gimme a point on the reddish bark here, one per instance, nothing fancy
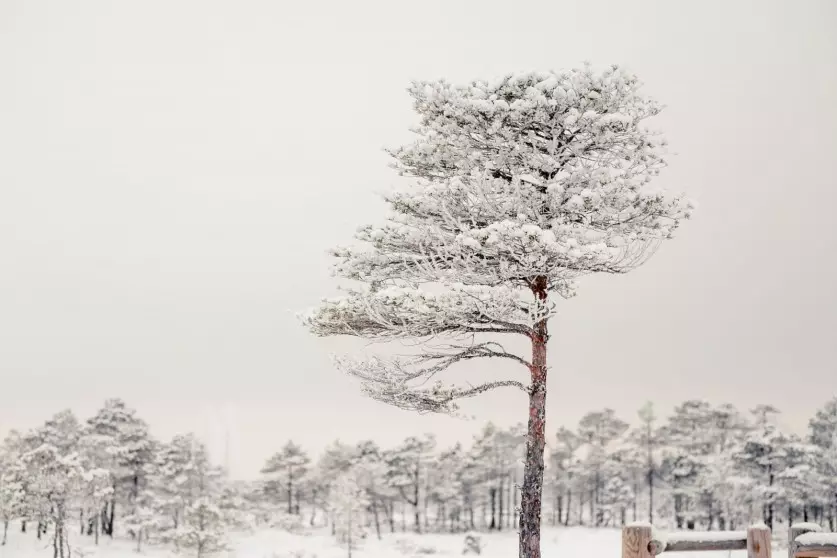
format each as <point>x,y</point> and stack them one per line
<point>532,491</point>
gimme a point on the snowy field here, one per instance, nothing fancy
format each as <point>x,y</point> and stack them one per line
<point>572,542</point>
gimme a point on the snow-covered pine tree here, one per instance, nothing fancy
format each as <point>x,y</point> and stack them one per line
<point>202,527</point>
<point>371,471</point>
<point>349,501</point>
<point>648,440</point>
<point>128,449</point>
<point>335,460</point>
<point>687,435</point>
<point>284,472</point>
<point>763,456</point>
<point>563,460</point>
<point>599,429</point>
<point>203,530</point>
<point>12,478</point>
<point>823,434</point>
<point>144,519</point>
<point>523,185</point>
<point>407,468</point>
<point>53,486</point>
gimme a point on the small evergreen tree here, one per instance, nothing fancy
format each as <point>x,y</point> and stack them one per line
<point>349,502</point>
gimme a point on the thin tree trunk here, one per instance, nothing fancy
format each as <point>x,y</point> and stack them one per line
<point>290,489</point>
<point>55,540</point>
<point>569,507</point>
<point>313,506</point>
<point>530,516</point>
<point>112,517</point>
<point>650,475</point>
<point>349,545</point>
<point>493,495</point>
<point>376,518</point>
<point>5,531</point>
<point>501,501</point>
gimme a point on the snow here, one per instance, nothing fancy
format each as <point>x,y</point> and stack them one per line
<point>572,541</point>
<point>818,539</point>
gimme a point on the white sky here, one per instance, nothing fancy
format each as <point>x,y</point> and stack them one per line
<point>174,171</point>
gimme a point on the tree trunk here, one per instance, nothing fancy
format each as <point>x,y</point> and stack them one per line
<point>569,507</point>
<point>5,531</point>
<point>313,506</point>
<point>290,490</point>
<point>391,516</point>
<point>530,516</point>
<point>514,499</point>
<point>111,518</point>
<point>376,518</point>
<point>415,502</point>
<point>493,495</point>
<point>500,502</point>
<point>511,500</point>
<point>650,476</point>
<point>23,526</point>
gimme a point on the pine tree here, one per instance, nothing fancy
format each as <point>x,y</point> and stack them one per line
<point>599,429</point>
<point>407,466</point>
<point>127,450</point>
<point>763,455</point>
<point>202,530</point>
<point>523,185</point>
<point>647,438</point>
<point>823,435</point>
<point>54,484</point>
<point>349,502</point>
<point>201,527</point>
<point>12,478</point>
<point>286,468</point>
<point>335,460</point>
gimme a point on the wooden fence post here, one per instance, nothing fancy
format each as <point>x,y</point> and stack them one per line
<point>799,529</point>
<point>758,541</point>
<point>635,540</point>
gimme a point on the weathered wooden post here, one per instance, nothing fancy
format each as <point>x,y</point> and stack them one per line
<point>636,538</point>
<point>758,541</point>
<point>799,529</point>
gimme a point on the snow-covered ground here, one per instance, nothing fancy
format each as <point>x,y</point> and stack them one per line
<point>568,542</point>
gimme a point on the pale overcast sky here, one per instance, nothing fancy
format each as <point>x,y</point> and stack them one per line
<point>173,173</point>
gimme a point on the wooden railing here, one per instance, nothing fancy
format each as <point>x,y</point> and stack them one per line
<point>641,541</point>
<point>805,540</point>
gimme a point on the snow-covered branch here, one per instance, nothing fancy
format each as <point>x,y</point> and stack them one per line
<point>397,312</point>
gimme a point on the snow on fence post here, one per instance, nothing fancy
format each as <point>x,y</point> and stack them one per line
<point>758,541</point>
<point>806,540</point>
<point>799,529</point>
<point>636,540</point>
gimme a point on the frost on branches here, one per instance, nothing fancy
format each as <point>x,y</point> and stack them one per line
<point>522,186</point>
